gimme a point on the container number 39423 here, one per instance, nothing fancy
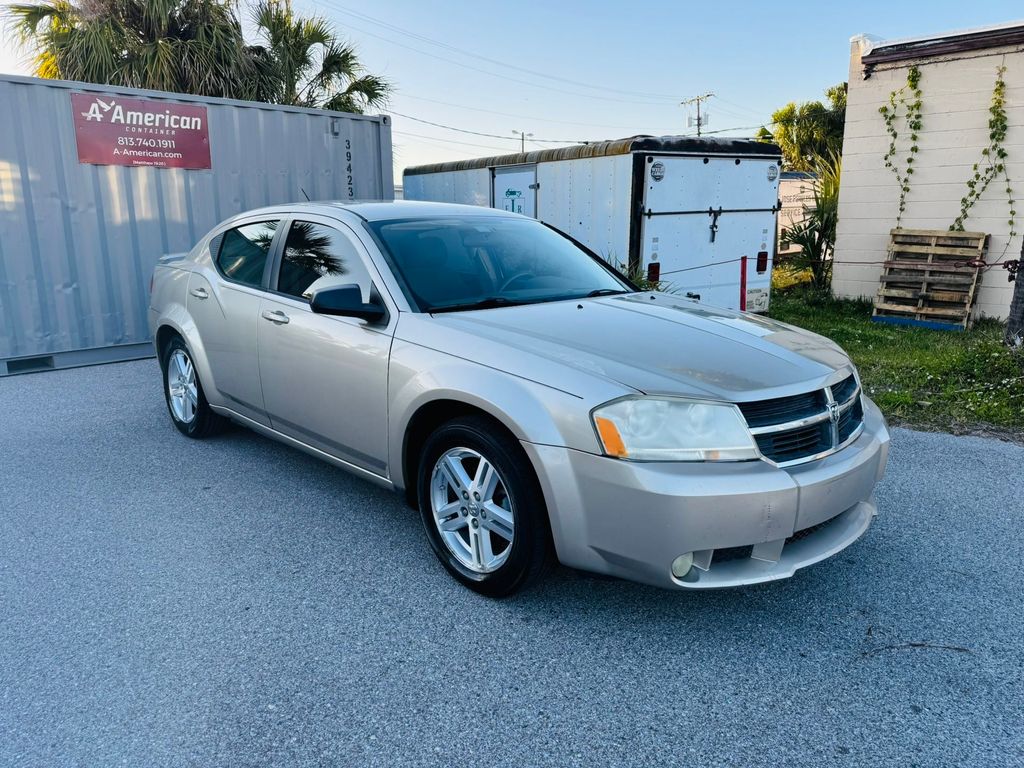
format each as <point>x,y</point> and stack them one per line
<point>348,169</point>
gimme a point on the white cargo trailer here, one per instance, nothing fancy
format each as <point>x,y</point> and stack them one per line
<point>701,211</point>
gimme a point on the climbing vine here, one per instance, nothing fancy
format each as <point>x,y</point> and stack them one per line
<point>993,159</point>
<point>907,97</point>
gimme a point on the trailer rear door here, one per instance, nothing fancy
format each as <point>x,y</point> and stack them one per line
<point>702,215</point>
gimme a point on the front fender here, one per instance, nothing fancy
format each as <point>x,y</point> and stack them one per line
<point>533,412</point>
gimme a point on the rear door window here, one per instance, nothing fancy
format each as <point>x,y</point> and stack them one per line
<point>243,252</point>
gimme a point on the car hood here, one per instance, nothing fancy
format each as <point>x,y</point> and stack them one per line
<point>649,342</point>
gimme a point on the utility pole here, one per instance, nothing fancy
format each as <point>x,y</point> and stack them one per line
<point>522,139</point>
<point>697,100</point>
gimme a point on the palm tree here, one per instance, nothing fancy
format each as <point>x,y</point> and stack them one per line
<point>816,233</point>
<point>187,46</point>
<point>808,131</point>
<point>197,47</point>
<point>313,67</point>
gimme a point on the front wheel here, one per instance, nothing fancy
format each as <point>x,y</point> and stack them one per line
<point>482,507</point>
<point>190,411</point>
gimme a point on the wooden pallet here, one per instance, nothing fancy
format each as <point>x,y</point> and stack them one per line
<point>930,278</point>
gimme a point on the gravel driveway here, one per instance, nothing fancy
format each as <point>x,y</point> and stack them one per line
<point>235,602</point>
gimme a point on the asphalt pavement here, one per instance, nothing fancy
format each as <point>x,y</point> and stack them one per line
<point>234,602</point>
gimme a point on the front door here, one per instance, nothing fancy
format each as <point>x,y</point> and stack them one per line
<point>515,189</point>
<point>325,378</point>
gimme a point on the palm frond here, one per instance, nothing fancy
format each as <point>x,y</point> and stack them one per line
<point>196,46</point>
<point>815,234</point>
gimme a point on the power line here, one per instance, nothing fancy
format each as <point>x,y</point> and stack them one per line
<point>738,106</point>
<point>507,150</point>
<point>548,141</point>
<point>517,117</point>
<point>503,64</point>
<point>501,75</point>
<point>480,133</point>
<point>737,128</point>
<point>557,141</point>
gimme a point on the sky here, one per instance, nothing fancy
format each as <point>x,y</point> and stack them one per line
<point>575,70</point>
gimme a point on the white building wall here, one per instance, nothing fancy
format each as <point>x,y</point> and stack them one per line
<point>957,92</point>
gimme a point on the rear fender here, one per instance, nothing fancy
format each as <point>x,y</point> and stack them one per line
<point>174,315</point>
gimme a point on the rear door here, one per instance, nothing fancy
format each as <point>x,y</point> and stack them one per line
<point>325,378</point>
<point>702,215</point>
<point>224,302</point>
<point>515,189</point>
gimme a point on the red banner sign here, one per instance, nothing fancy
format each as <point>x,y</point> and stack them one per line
<point>112,130</point>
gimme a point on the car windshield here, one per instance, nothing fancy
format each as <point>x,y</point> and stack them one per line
<point>476,262</point>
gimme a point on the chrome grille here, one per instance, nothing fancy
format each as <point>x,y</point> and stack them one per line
<point>844,390</point>
<point>794,444</point>
<point>849,420</point>
<point>779,410</point>
<point>791,430</point>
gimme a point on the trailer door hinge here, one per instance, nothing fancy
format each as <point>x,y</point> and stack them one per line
<point>535,185</point>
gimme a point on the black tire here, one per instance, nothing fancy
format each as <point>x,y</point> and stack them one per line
<point>530,551</point>
<point>204,423</point>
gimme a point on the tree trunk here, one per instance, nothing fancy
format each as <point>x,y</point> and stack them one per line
<point>1015,324</point>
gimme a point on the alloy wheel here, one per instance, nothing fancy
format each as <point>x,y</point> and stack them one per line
<point>472,509</point>
<point>181,387</point>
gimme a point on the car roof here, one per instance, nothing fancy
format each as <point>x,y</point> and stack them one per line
<point>382,210</point>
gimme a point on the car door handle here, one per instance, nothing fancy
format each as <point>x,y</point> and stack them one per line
<point>200,293</point>
<point>275,316</point>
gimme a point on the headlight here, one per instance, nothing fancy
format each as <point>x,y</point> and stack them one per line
<point>673,429</point>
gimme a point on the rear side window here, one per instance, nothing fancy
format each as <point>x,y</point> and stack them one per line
<point>318,256</point>
<point>243,252</point>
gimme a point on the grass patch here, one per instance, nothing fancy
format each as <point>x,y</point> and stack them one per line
<point>953,381</point>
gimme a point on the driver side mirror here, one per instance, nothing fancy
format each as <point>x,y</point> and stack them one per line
<point>347,301</point>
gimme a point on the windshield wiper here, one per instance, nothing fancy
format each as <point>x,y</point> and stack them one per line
<point>606,292</point>
<point>488,303</point>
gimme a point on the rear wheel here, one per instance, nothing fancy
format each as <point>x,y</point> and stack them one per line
<point>482,507</point>
<point>189,410</point>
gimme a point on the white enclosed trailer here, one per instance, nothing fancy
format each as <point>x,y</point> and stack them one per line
<point>701,211</point>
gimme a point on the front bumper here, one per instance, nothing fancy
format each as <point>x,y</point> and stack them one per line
<point>633,519</point>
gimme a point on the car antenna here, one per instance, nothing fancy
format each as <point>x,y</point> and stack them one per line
<point>304,194</point>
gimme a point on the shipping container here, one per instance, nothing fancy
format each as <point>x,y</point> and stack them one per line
<point>96,183</point>
<point>700,211</point>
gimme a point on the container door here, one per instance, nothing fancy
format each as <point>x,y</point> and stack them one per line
<point>515,189</point>
<point>702,215</point>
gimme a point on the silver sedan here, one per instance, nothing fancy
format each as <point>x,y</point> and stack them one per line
<point>528,400</point>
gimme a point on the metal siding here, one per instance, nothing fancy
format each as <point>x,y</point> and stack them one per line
<point>79,242</point>
<point>469,187</point>
<point>589,198</point>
